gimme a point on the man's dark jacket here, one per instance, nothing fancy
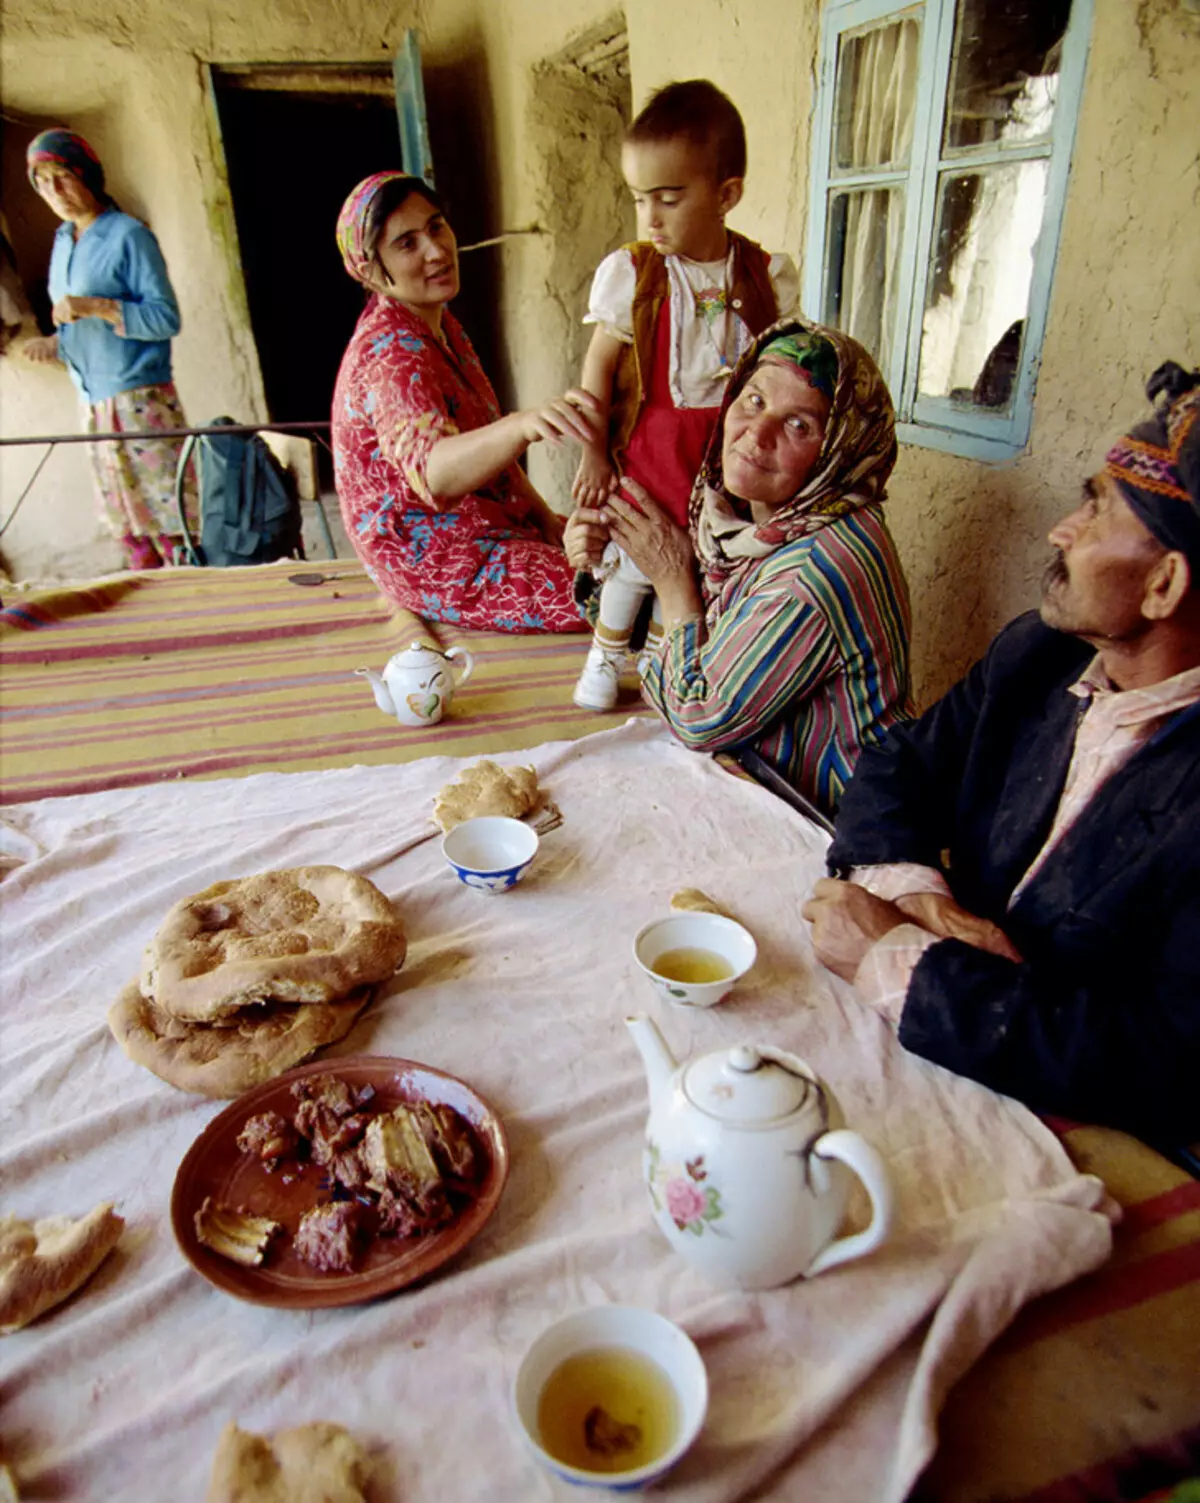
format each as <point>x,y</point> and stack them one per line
<point>1102,1020</point>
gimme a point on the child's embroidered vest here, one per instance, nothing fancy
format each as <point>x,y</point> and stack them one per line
<point>752,298</point>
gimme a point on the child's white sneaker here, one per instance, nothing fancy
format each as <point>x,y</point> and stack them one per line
<point>600,682</point>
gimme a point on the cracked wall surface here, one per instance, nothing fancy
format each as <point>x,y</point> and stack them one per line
<point>971,535</point>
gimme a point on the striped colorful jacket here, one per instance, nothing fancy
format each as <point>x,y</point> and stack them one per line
<point>804,656</point>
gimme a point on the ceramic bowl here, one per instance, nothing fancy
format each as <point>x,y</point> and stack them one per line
<point>711,932</point>
<point>490,853</point>
<point>645,1332</point>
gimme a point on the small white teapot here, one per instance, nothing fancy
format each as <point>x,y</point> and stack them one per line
<point>418,684</point>
<point>748,1165</point>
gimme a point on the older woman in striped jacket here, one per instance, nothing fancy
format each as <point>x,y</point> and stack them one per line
<point>785,610</point>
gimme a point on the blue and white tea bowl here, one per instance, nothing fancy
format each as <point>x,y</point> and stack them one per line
<point>490,853</point>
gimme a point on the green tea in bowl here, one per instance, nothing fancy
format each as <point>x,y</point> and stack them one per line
<point>611,1397</point>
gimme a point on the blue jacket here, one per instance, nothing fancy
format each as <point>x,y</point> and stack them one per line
<point>115,257</point>
<point>1102,1020</point>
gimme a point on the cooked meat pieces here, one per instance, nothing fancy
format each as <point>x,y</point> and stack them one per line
<point>331,1091</point>
<point>409,1169</point>
<point>396,1154</point>
<point>329,1136</point>
<point>402,1214</point>
<point>328,1236</point>
<point>449,1135</point>
<point>234,1233</point>
<point>413,1147</point>
<point>270,1137</point>
<point>348,1169</point>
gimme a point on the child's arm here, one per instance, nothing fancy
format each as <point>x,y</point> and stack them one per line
<point>596,477</point>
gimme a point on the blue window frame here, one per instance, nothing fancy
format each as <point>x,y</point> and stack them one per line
<point>941,148</point>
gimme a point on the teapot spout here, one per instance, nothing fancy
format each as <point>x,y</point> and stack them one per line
<point>658,1060</point>
<point>380,690</point>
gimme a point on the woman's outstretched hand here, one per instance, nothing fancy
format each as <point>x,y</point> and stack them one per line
<point>576,415</point>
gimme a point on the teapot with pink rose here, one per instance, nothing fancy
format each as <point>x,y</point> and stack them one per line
<point>748,1164</point>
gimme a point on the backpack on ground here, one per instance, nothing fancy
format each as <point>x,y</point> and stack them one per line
<point>249,511</point>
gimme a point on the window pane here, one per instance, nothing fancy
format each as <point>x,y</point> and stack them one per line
<point>862,261</point>
<point>977,297</point>
<point>1004,70</point>
<point>876,93</point>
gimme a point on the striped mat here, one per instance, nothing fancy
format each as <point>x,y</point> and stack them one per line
<point>1093,1395</point>
<point>222,672</point>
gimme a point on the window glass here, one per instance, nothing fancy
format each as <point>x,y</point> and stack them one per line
<point>875,96</point>
<point>941,146</point>
<point>1003,71</point>
<point>863,239</point>
<point>977,293</point>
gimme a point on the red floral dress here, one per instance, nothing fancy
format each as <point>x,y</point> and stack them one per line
<point>483,563</point>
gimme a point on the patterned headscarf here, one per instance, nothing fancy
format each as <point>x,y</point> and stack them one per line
<point>1157,465</point>
<point>72,152</point>
<point>355,218</point>
<point>812,353</point>
<point>852,468</point>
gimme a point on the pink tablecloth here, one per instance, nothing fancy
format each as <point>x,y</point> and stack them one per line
<point>828,1388</point>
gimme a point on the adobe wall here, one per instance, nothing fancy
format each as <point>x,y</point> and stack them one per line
<point>971,535</point>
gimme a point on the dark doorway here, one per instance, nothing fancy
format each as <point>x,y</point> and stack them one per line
<point>292,158</point>
<point>292,155</point>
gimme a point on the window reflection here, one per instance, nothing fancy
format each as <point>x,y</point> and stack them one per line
<point>1003,71</point>
<point>977,295</point>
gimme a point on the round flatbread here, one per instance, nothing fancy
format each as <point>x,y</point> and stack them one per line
<point>307,934</point>
<point>256,1045</point>
<point>486,788</point>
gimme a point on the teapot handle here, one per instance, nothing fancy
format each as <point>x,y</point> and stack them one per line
<point>858,1155</point>
<point>468,663</point>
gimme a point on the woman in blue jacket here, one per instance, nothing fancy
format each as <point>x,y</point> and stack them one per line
<point>115,315</point>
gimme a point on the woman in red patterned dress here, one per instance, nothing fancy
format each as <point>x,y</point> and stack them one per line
<point>434,501</point>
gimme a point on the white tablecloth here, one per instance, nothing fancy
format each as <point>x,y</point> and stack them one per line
<point>827,1388</point>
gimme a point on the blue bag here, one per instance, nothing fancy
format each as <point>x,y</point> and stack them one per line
<point>249,513</point>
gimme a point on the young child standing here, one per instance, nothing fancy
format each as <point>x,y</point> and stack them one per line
<point>673,313</point>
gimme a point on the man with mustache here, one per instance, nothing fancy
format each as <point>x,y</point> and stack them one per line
<point>1023,901</point>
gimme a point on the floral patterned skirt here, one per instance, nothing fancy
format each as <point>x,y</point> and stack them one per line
<point>135,480</point>
<point>475,566</point>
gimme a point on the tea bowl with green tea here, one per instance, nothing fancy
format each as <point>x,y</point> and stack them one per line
<point>694,958</point>
<point>611,1397</point>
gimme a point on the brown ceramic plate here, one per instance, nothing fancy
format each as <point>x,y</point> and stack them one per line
<point>214,1165</point>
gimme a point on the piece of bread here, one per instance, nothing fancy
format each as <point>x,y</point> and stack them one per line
<point>307,934</point>
<point>486,788</point>
<point>223,1061</point>
<point>692,900</point>
<point>43,1262</point>
<point>315,1463</point>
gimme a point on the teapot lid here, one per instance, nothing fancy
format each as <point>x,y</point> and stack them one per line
<point>755,1086</point>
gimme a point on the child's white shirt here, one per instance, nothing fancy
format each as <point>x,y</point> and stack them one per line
<point>707,337</point>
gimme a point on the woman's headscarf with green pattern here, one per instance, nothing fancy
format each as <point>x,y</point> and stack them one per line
<point>856,458</point>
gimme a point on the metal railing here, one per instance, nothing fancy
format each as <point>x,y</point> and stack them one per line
<point>316,429</point>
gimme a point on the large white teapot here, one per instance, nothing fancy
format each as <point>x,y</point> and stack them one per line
<point>418,684</point>
<point>748,1165</point>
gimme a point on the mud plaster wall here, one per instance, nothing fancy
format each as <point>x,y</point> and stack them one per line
<point>971,535</point>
